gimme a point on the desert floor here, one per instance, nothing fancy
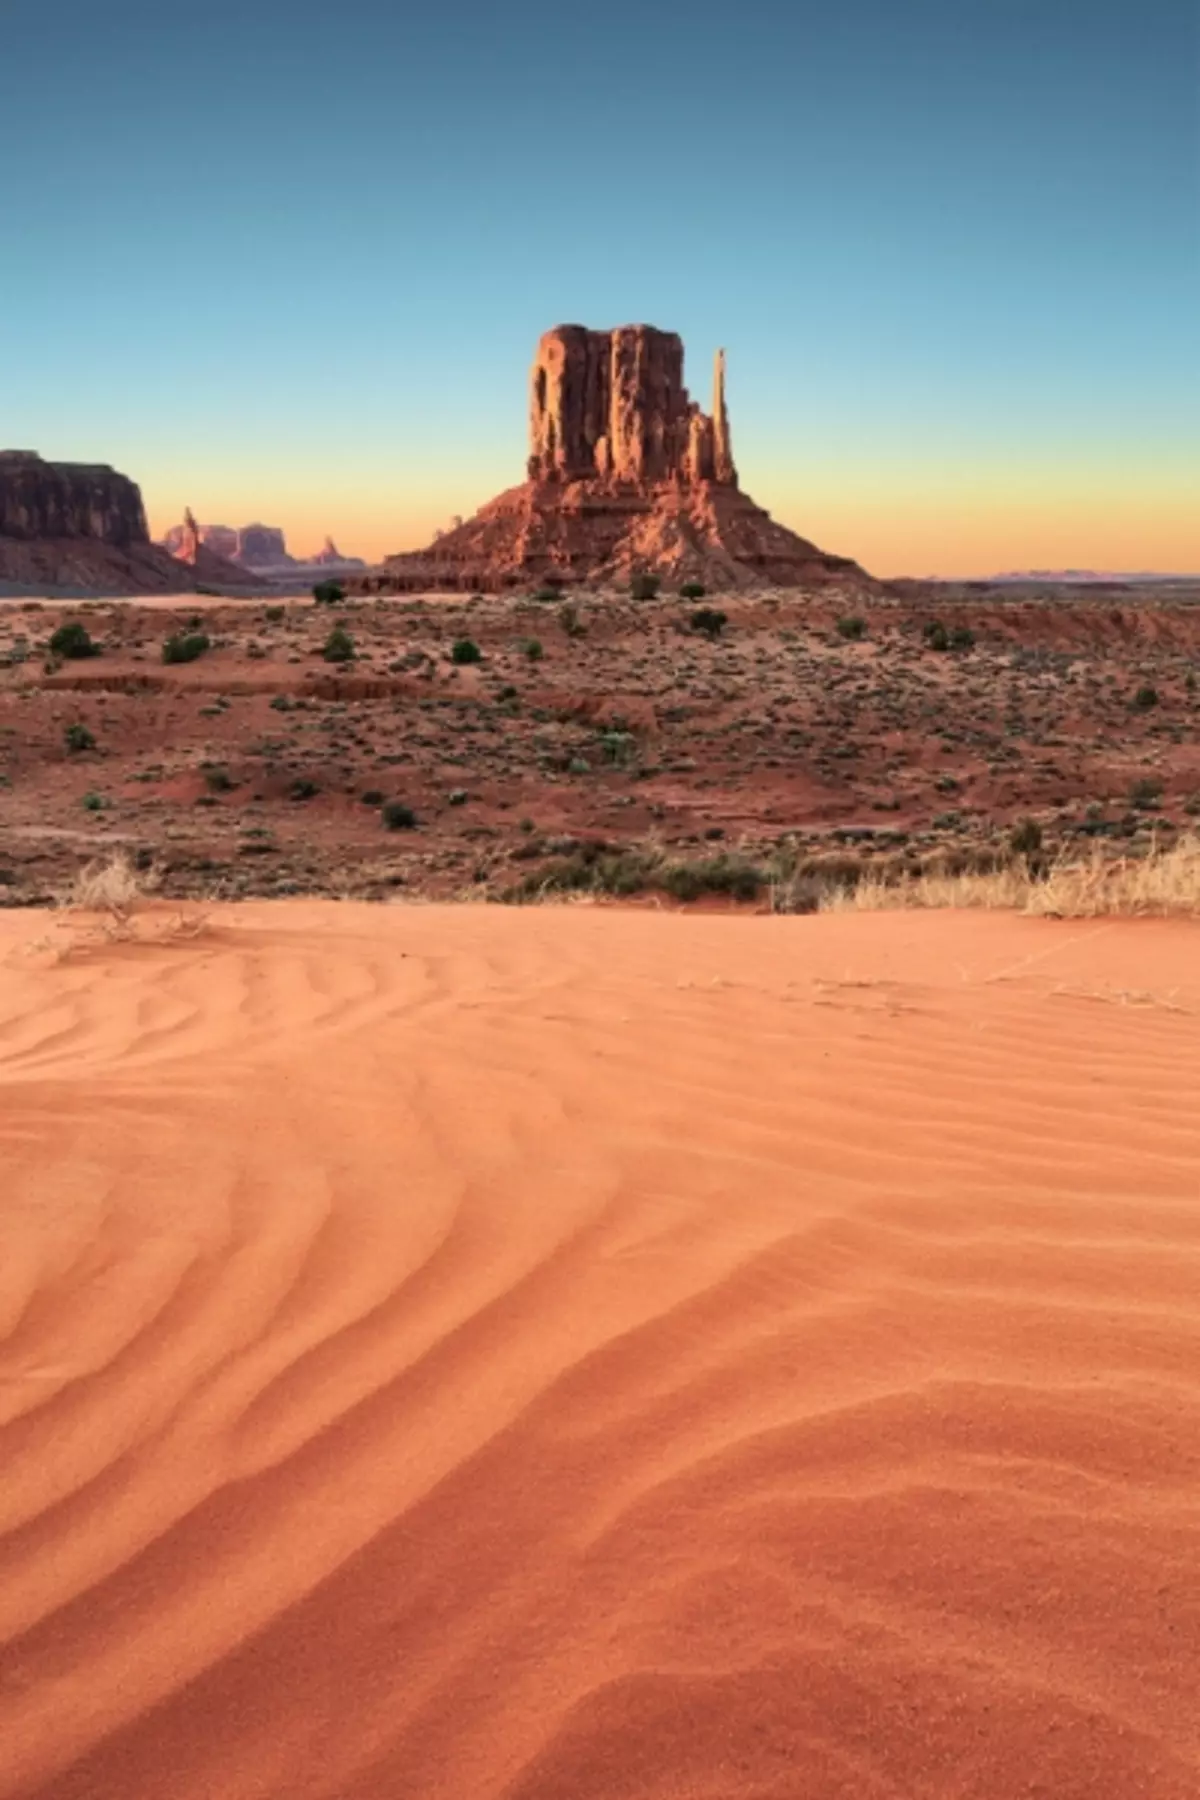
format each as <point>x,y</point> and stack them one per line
<point>592,724</point>
<point>567,1353</point>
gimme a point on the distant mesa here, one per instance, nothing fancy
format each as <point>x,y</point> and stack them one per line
<point>625,475</point>
<point>260,549</point>
<point>82,527</point>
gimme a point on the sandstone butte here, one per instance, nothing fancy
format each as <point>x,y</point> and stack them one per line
<point>625,475</point>
<point>83,525</point>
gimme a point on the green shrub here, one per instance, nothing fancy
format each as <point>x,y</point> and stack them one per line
<point>302,789</point>
<point>73,640</point>
<point>723,874</point>
<point>458,796</point>
<point>329,593</point>
<point>644,587</point>
<point>465,650</point>
<point>219,780</point>
<point>1025,839</point>
<point>275,613</point>
<point>549,590</point>
<point>936,636</point>
<point>962,638</point>
<point>339,646</point>
<point>398,817</point>
<point>372,797</point>
<point>185,647</point>
<point>852,628</point>
<point>93,803</point>
<point>692,590</point>
<point>1145,793</point>
<point>78,738</point>
<point>708,619</point>
<point>568,618</point>
<point>532,648</point>
<point>1145,698</point>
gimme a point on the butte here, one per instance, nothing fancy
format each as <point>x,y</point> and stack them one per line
<point>626,475</point>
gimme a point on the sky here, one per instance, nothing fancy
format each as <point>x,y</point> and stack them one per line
<point>288,262</point>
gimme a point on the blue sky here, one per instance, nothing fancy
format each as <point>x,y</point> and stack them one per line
<point>290,262</point>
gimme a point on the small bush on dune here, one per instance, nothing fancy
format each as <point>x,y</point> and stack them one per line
<point>329,593</point>
<point>852,628</point>
<point>398,817</point>
<point>692,590</point>
<point>339,646</point>
<point>709,620</point>
<point>77,739</point>
<point>532,648</point>
<point>74,641</point>
<point>644,587</point>
<point>464,651</point>
<point>185,647</point>
<point>1145,698</point>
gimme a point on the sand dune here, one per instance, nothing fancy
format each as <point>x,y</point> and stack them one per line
<point>563,1354</point>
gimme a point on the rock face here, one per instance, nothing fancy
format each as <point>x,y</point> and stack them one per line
<point>41,500</point>
<point>625,474</point>
<point>612,405</point>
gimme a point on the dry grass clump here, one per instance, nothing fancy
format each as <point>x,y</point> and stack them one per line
<point>1163,882</point>
<point>112,902</point>
<point>116,887</point>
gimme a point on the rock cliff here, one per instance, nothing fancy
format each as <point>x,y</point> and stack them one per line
<point>625,474</point>
<point>40,500</point>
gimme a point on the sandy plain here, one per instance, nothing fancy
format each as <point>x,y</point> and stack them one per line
<point>568,1353</point>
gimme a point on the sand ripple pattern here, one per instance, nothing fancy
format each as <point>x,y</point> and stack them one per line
<point>562,1355</point>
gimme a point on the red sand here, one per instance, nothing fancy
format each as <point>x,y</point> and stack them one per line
<point>556,1354</point>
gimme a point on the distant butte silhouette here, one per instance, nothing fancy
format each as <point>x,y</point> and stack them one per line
<point>625,475</point>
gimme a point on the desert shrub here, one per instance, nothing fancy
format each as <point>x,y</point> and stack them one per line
<point>339,646</point>
<point>1025,838</point>
<point>568,618</point>
<point>532,648</point>
<point>219,780</point>
<point>619,747</point>
<point>692,590</point>
<point>1145,698</point>
<point>962,638</point>
<point>708,619</point>
<point>78,738</point>
<point>935,635</point>
<point>398,817</point>
<point>73,640</point>
<point>302,789</point>
<point>93,803</point>
<point>465,650</point>
<point>644,587</point>
<point>1145,793</point>
<point>458,796</point>
<point>274,614</point>
<point>852,628</point>
<point>185,647</point>
<point>372,797</point>
<point>329,593</point>
<point>549,590</point>
<point>723,874</point>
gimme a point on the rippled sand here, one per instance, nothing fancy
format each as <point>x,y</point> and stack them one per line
<point>556,1354</point>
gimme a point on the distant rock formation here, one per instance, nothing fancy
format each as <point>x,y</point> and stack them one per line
<point>329,556</point>
<point>82,526</point>
<point>195,547</point>
<point>263,547</point>
<point>625,474</point>
<point>258,550</point>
